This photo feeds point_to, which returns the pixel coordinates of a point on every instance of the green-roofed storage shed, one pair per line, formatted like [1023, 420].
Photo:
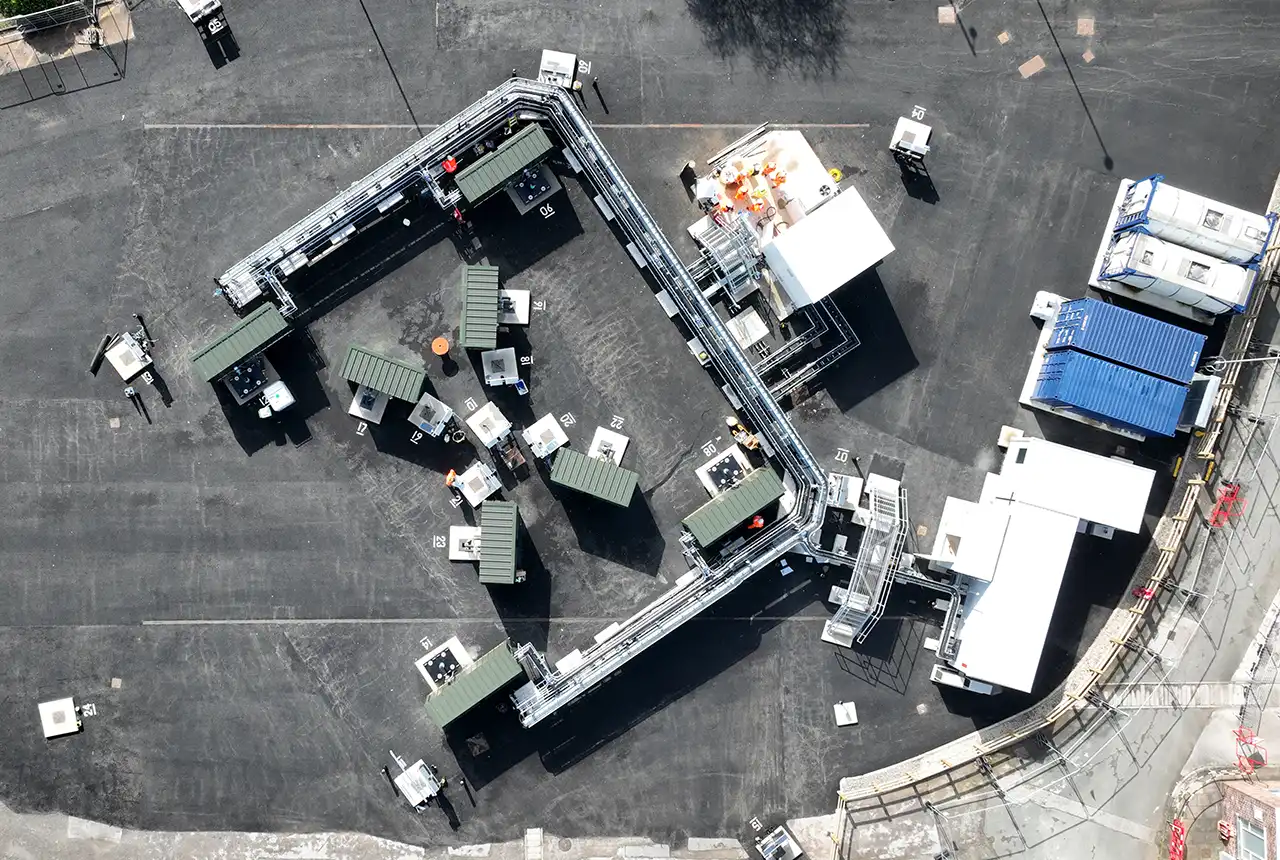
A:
[384, 375]
[246, 339]
[490, 172]
[730, 509]
[499, 524]
[478, 327]
[493, 672]
[593, 476]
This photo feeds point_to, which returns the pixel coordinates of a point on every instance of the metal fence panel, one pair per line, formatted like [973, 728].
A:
[67, 13]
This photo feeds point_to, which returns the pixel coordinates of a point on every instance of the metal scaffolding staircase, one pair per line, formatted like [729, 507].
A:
[878, 557]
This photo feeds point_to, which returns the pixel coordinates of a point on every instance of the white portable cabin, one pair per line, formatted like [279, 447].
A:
[1162, 268]
[1014, 546]
[1198, 223]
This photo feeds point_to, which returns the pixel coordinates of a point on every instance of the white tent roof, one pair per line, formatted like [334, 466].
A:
[1004, 622]
[1089, 487]
[829, 247]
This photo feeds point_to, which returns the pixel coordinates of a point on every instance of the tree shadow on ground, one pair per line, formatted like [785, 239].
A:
[801, 36]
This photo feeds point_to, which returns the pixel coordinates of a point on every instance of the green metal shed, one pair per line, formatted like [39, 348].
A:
[478, 327]
[474, 684]
[731, 508]
[384, 375]
[245, 340]
[593, 476]
[490, 172]
[499, 523]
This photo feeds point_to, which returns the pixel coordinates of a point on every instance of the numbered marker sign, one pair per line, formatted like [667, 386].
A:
[842, 455]
[616, 422]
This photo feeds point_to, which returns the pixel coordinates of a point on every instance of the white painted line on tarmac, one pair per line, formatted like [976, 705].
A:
[366, 126]
[281, 622]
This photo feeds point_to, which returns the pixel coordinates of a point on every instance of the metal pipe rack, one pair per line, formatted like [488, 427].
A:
[532, 101]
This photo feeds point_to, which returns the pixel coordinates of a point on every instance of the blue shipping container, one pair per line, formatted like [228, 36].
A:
[1127, 338]
[1110, 393]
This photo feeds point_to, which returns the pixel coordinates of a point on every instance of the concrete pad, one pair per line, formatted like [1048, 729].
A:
[82, 828]
[1084, 26]
[1003, 37]
[1088, 56]
[946, 14]
[1032, 66]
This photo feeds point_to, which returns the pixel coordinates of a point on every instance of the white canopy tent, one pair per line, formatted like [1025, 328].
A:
[827, 249]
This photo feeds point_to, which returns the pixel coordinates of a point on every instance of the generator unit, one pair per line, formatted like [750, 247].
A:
[1192, 278]
[1196, 222]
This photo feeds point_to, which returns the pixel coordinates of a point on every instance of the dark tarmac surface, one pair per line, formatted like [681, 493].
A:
[133, 195]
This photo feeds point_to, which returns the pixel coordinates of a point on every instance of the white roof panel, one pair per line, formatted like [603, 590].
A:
[982, 540]
[1004, 622]
[1087, 486]
[829, 247]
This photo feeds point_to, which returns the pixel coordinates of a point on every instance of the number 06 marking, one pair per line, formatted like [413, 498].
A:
[547, 210]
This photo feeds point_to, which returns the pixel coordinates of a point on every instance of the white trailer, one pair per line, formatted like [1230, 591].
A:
[1151, 206]
[1191, 278]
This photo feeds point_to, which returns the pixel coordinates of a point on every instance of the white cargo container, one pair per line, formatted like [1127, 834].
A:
[1171, 271]
[1195, 222]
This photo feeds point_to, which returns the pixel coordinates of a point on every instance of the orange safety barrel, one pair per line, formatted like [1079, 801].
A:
[440, 346]
[450, 478]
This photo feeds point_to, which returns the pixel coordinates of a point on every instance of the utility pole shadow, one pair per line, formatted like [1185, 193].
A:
[1107, 161]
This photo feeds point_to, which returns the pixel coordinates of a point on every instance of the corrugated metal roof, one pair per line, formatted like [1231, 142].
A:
[246, 339]
[595, 477]
[478, 328]
[1127, 338]
[386, 375]
[499, 522]
[491, 171]
[1110, 392]
[730, 509]
[473, 685]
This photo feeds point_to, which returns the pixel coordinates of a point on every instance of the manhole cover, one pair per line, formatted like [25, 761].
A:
[565, 844]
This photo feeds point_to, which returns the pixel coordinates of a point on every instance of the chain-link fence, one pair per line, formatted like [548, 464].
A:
[67, 13]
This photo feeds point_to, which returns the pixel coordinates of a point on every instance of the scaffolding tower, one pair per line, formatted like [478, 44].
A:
[879, 555]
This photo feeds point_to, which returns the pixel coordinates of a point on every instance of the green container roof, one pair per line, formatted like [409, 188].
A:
[731, 508]
[491, 171]
[385, 375]
[246, 339]
[598, 478]
[478, 328]
[473, 685]
[499, 522]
